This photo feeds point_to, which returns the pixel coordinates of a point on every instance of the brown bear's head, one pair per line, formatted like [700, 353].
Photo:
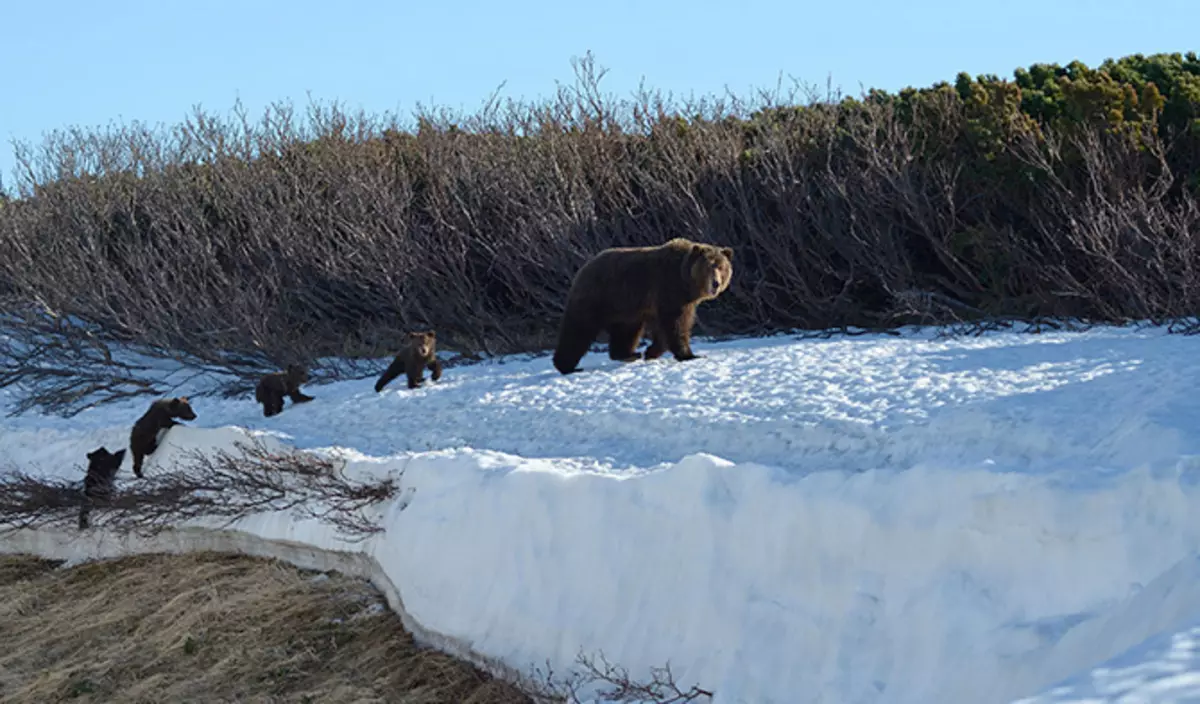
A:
[423, 343]
[103, 463]
[180, 408]
[709, 268]
[296, 374]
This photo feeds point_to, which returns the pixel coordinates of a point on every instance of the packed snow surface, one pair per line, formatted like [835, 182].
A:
[866, 519]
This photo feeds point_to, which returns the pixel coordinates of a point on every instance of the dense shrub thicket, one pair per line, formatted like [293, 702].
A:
[1065, 192]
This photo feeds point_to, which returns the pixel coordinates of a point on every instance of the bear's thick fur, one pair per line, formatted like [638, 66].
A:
[98, 483]
[626, 290]
[143, 439]
[274, 386]
[419, 352]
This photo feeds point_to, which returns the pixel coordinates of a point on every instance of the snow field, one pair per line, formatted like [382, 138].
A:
[875, 519]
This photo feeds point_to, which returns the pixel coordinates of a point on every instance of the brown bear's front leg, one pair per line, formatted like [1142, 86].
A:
[623, 340]
[677, 332]
[416, 375]
[298, 396]
[435, 368]
[575, 336]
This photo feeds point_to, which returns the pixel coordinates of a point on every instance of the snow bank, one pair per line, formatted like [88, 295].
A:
[1163, 668]
[880, 519]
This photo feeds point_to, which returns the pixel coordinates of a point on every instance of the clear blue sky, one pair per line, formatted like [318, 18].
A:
[87, 62]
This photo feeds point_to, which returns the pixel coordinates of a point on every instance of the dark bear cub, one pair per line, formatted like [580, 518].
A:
[419, 352]
[273, 387]
[143, 439]
[628, 291]
[98, 484]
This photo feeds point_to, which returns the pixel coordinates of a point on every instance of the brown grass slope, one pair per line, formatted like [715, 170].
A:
[213, 628]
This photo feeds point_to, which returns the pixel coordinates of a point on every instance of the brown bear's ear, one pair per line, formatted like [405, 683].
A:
[728, 252]
[183, 398]
[697, 250]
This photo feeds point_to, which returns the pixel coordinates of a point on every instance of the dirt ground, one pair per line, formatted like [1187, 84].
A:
[214, 628]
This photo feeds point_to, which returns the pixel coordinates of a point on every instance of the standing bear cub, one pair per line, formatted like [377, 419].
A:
[419, 352]
[98, 482]
[143, 439]
[625, 290]
[273, 387]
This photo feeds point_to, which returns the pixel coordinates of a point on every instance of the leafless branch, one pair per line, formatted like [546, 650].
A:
[229, 485]
[611, 682]
[325, 234]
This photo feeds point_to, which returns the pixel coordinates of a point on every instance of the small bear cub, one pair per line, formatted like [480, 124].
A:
[419, 351]
[98, 484]
[144, 438]
[273, 387]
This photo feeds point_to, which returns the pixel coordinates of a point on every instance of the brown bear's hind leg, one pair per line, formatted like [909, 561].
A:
[273, 405]
[395, 369]
[137, 463]
[435, 368]
[657, 345]
[623, 339]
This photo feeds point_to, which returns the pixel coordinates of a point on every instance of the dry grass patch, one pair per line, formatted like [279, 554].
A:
[214, 628]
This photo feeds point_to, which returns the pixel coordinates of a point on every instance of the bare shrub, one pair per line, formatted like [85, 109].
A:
[326, 234]
[223, 485]
[63, 365]
[1112, 245]
[599, 677]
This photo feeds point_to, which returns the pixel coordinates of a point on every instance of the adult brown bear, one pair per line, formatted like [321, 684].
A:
[625, 290]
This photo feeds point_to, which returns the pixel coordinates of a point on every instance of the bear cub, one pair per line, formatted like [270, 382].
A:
[419, 352]
[143, 439]
[273, 387]
[627, 291]
[98, 484]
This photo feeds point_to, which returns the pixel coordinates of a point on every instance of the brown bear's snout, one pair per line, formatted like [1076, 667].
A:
[715, 285]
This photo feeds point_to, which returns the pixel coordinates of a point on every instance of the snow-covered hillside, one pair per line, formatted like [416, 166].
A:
[874, 519]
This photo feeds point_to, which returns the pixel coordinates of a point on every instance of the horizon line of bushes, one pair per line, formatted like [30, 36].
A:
[1064, 192]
